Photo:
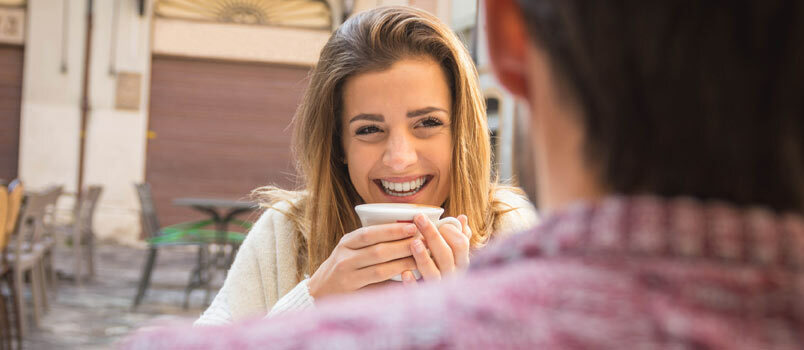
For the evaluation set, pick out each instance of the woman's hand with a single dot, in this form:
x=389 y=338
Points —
x=448 y=246
x=363 y=257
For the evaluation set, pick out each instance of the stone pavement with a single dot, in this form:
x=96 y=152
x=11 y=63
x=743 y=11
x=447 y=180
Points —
x=97 y=314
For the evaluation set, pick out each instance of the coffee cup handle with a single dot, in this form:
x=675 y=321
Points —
x=450 y=221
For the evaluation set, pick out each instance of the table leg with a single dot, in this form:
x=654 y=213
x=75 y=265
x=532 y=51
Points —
x=198 y=278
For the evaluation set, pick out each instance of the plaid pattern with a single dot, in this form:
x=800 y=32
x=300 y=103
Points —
x=637 y=273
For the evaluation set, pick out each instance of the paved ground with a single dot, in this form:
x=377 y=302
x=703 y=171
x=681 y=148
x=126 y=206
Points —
x=97 y=314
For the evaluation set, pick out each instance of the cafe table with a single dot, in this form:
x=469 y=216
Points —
x=222 y=212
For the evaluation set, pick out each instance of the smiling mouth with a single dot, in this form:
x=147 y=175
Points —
x=404 y=188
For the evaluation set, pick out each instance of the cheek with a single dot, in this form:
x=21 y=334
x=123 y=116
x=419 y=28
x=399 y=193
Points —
x=360 y=160
x=445 y=157
x=440 y=153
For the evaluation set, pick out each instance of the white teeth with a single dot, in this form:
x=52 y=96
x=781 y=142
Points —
x=402 y=189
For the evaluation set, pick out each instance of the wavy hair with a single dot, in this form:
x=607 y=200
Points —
x=323 y=211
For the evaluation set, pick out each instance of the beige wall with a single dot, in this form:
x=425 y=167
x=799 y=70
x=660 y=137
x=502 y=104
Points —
x=115 y=144
x=440 y=8
x=508 y=105
x=238 y=42
x=116 y=138
x=50 y=121
x=50 y=115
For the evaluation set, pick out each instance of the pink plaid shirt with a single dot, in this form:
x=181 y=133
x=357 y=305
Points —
x=628 y=273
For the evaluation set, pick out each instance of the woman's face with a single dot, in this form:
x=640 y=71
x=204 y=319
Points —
x=396 y=133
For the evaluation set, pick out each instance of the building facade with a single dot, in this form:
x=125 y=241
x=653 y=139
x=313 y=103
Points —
x=192 y=96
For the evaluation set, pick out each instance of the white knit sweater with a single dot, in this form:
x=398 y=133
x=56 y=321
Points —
x=262 y=279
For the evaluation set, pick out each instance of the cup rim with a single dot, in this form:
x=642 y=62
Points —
x=410 y=206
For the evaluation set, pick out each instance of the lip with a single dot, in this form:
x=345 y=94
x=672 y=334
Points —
x=406 y=199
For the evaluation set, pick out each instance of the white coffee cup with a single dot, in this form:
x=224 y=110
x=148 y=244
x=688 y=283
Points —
x=388 y=213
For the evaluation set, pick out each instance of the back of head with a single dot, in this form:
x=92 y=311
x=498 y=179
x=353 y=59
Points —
x=700 y=98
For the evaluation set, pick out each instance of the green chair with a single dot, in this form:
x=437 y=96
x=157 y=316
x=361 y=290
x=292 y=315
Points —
x=187 y=233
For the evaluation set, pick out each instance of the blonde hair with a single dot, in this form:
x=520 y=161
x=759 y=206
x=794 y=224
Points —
x=372 y=41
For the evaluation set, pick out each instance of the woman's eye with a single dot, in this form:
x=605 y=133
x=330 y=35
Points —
x=431 y=122
x=366 y=130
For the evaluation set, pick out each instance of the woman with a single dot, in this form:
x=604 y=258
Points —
x=393 y=113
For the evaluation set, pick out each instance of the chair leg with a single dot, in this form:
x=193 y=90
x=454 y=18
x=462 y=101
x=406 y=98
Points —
x=145 y=278
x=20 y=302
x=91 y=253
x=43 y=286
x=54 y=279
x=13 y=294
x=36 y=294
x=7 y=305
x=5 y=330
x=77 y=255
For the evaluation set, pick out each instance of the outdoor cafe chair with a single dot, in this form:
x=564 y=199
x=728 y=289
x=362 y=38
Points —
x=191 y=233
x=47 y=234
x=7 y=225
x=26 y=254
x=5 y=274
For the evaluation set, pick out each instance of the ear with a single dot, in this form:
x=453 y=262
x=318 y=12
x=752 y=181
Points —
x=507 y=42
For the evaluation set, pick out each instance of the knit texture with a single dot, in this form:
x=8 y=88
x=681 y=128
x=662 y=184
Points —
x=298 y=298
x=265 y=269
x=627 y=273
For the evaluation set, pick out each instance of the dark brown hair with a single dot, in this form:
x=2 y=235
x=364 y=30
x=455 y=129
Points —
x=700 y=98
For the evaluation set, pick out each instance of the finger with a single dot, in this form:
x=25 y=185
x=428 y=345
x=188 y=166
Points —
x=371 y=235
x=442 y=254
x=459 y=244
x=426 y=266
x=380 y=253
x=465 y=223
x=384 y=271
x=377 y=285
x=408 y=279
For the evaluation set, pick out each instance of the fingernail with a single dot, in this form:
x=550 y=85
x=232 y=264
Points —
x=410 y=229
x=418 y=246
x=407 y=276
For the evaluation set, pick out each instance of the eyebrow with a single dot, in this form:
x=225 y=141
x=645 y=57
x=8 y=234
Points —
x=411 y=114
x=425 y=110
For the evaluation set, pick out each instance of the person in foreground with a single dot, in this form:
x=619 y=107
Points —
x=390 y=115
x=668 y=140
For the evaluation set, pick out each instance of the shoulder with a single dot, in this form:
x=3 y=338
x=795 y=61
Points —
x=275 y=220
x=519 y=214
x=512 y=197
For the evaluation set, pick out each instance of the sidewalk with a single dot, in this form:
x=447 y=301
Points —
x=98 y=314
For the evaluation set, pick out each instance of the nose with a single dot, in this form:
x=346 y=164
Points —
x=400 y=152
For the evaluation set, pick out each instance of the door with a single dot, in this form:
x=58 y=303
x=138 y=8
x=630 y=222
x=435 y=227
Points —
x=11 y=58
x=218 y=129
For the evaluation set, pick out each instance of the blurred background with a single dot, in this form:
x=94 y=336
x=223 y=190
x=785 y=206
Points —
x=193 y=97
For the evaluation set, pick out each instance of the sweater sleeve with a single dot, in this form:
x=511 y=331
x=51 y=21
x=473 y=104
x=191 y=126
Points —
x=217 y=313
x=522 y=217
x=298 y=298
